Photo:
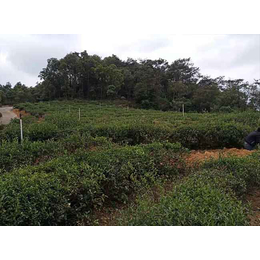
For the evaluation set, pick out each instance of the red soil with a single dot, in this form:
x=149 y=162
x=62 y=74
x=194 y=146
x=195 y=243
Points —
x=197 y=157
x=22 y=112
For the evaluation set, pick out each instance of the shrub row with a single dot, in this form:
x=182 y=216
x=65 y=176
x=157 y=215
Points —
x=212 y=196
x=192 y=203
x=240 y=174
x=65 y=190
x=13 y=154
x=194 y=131
x=195 y=136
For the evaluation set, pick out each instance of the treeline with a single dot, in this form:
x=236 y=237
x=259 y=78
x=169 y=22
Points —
x=149 y=83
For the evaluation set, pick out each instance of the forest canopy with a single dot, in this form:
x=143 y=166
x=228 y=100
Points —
x=149 y=84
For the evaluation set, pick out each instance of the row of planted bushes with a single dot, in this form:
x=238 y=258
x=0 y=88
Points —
x=35 y=109
x=65 y=190
x=193 y=136
x=13 y=154
x=212 y=196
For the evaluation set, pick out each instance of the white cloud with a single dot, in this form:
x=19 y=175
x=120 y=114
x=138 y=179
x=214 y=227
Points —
x=26 y=55
x=9 y=73
x=236 y=56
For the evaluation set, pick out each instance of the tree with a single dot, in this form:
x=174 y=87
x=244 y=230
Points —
x=183 y=70
x=111 y=91
x=234 y=94
x=254 y=95
x=205 y=98
x=53 y=77
x=150 y=83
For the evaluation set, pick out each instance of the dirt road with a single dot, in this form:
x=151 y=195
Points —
x=7 y=115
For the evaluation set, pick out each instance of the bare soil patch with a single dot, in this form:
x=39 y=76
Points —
x=22 y=112
x=198 y=157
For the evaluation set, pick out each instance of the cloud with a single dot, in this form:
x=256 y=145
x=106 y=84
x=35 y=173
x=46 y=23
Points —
x=26 y=55
x=236 y=56
x=22 y=57
x=9 y=73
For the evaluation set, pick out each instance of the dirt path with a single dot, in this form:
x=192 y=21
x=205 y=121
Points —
x=7 y=115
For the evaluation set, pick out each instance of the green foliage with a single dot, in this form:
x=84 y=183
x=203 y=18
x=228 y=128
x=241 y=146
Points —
x=14 y=154
x=67 y=168
x=241 y=174
x=151 y=84
x=210 y=135
x=34 y=132
x=225 y=109
x=111 y=91
x=205 y=198
x=65 y=190
x=209 y=197
x=194 y=131
x=192 y=203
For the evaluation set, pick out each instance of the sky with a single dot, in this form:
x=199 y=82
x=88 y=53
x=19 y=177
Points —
x=235 y=56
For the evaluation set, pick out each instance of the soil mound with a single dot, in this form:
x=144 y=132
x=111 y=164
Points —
x=197 y=157
x=22 y=112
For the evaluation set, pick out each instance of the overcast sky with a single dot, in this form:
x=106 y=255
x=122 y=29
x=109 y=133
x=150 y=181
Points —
x=22 y=57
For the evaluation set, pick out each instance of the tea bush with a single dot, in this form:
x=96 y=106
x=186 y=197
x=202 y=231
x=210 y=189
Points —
x=204 y=199
x=209 y=197
x=245 y=171
x=136 y=126
x=205 y=136
x=65 y=190
x=67 y=167
x=14 y=154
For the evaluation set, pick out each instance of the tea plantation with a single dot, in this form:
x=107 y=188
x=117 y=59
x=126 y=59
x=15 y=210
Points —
x=80 y=159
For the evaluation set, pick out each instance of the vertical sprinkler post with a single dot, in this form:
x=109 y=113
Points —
x=183 y=110
x=21 y=127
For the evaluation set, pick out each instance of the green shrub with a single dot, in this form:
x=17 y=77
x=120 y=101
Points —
x=192 y=203
x=194 y=131
x=65 y=190
x=30 y=197
x=14 y=154
x=41 y=131
x=225 y=109
x=245 y=171
x=205 y=136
